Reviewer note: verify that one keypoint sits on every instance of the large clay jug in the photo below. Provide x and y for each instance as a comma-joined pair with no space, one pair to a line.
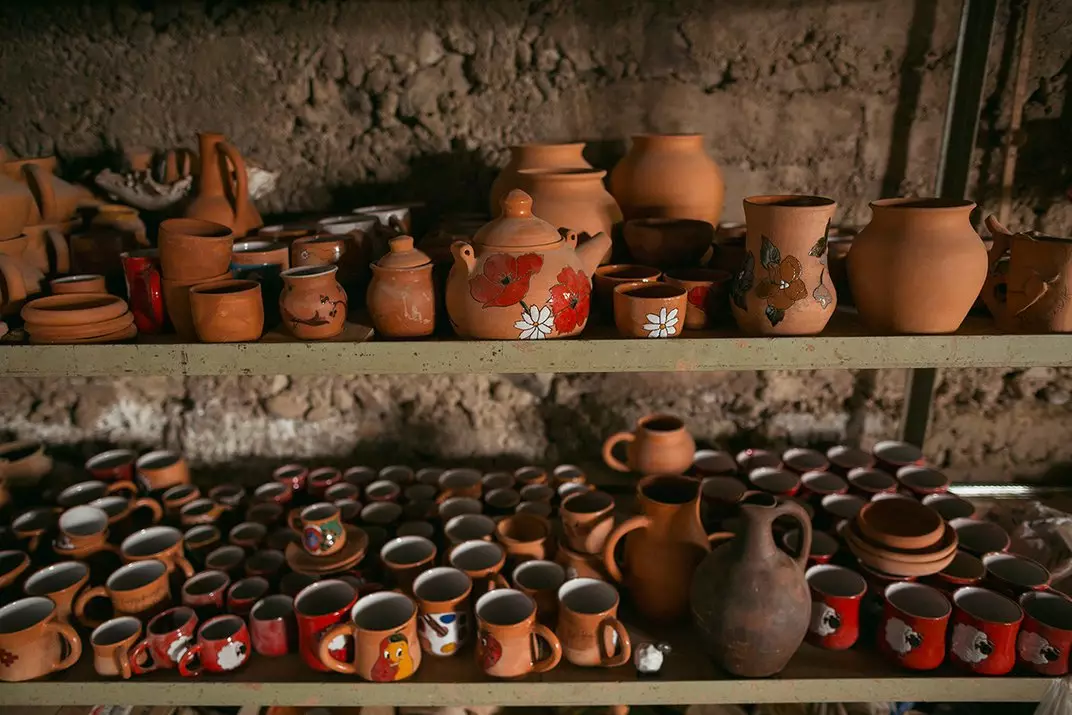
660,444
223,187
663,546
918,266
534,156
668,176
784,285
1029,280
574,201
750,600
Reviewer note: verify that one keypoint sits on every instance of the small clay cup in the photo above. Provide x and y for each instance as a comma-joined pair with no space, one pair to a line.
482,561
114,465
650,310
322,529
588,624
524,537
83,283
33,640
540,580
194,250
177,303
260,253
587,520
227,311
406,558
383,629
609,277
443,597
60,583
469,527
708,291
112,642
161,469
506,627
460,483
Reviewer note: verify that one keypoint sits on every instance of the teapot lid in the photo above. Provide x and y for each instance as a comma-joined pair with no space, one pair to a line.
402,254
516,227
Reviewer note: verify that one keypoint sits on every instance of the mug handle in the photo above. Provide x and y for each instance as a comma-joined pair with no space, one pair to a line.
137,653
122,485
324,653
294,519
546,634
83,600
185,566
791,508
185,669
608,450
630,524
59,246
74,644
607,659
43,191
716,538
14,285
152,505
122,661
497,580
1002,244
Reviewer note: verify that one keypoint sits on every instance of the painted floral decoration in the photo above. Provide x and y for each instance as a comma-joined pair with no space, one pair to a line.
743,282
782,287
570,299
505,279
698,297
663,324
536,323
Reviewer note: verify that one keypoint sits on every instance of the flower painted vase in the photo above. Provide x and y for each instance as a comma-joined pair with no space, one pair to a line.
313,304
784,286
520,280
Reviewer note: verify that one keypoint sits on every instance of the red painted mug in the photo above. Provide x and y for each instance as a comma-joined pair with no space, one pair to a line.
222,646
1046,633
141,269
317,608
836,593
167,637
272,626
985,625
913,626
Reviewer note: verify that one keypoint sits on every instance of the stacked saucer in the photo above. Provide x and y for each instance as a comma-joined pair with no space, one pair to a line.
328,546
79,318
901,537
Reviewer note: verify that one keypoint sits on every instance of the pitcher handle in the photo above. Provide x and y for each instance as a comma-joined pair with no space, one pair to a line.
608,450
240,188
14,285
1002,244
185,566
547,635
607,659
83,600
324,652
58,241
74,644
630,524
44,192
791,508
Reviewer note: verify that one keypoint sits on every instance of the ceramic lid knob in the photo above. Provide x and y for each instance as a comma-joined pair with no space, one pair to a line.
517,204
402,254
401,244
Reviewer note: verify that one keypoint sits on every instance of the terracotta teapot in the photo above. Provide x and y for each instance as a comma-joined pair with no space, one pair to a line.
1028,292
55,200
520,280
223,187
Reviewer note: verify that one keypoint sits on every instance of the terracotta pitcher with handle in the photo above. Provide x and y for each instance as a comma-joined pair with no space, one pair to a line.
663,546
750,600
1028,281
223,187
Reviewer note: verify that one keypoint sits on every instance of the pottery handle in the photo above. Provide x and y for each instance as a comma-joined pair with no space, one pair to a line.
122,661
324,651
123,485
240,187
58,241
547,635
140,653
630,524
14,286
294,519
44,192
186,669
608,450
791,508
607,659
152,505
33,544
83,600
1034,288
497,580
74,644
716,538
185,566
1002,243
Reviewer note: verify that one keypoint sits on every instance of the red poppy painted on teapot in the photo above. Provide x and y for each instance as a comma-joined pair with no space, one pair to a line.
520,279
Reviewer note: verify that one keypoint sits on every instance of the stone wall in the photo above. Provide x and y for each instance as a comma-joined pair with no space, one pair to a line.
361,101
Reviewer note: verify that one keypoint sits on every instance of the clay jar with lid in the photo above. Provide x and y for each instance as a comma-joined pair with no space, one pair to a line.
534,156
668,176
784,286
918,266
227,311
313,304
574,201
520,279
401,295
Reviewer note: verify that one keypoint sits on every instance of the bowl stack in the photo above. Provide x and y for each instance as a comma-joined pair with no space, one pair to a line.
901,537
79,318
192,252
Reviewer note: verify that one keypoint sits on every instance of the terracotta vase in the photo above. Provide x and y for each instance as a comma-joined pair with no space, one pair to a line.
227,311
401,297
520,279
313,304
55,200
534,156
918,266
223,188
574,201
668,176
784,287
660,444
1028,292
750,600
663,547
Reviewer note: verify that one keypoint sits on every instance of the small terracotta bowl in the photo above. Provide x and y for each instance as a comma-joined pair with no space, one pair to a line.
669,242
227,311
708,294
192,250
177,303
261,253
655,310
85,283
609,277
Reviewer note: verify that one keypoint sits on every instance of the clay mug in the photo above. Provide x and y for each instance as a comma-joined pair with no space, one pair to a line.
541,509
164,543
82,283
59,583
13,566
269,514
206,593
161,469
660,444
33,527
540,580
82,528
720,496
272,626
346,491
581,565
201,511
227,558
607,278
529,475
244,593
133,589
400,474
1046,633
167,637
1013,575
361,477
382,490
467,527
120,510
83,493
460,483
867,482
650,310
456,506
318,608
525,537
200,541
494,480
836,594
33,641
273,493
293,475
537,493
482,561
320,479
587,520
222,646
227,311
443,597
112,642
406,558
114,465
913,627
843,459
502,501
890,455
588,624
922,481
985,625
248,534
383,627
321,529
949,506
175,498
712,463
749,459
145,293
964,570
230,495
506,636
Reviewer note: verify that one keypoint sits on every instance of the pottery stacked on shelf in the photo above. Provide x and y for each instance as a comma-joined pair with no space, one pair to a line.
77,318
901,537
192,252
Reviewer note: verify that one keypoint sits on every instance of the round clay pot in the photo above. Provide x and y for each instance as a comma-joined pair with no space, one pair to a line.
193,250
655,310
708,289
84,283
260,253
313,304
784,288
918,266
572,200
317,250
177,303
401,297
609,277
534,156
668,176
73,309
227,311
669,242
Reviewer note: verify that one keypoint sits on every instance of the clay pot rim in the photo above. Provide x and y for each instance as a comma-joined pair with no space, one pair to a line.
230,288
255,245
791,201
194,228
677,479
309,271
542,145
664,291
73,309
609,272
38,602
564,174
926,203
76,278
681,137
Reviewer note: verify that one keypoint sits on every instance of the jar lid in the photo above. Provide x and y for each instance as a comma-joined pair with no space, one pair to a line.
516,227
402,254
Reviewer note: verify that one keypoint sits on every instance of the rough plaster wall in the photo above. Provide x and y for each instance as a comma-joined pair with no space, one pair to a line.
361,101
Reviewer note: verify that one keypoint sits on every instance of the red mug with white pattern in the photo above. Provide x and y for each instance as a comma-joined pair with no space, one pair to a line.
913,626
1046,633
318,607
985,625
222,646
836,593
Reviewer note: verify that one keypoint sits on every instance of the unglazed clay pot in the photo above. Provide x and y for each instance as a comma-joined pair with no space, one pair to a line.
16,202
650,310
660,444
176,298
228,311
222,166
313,304
55,199
534,156
750,600
194,250
918,266
1028,293
401,297
670,242
519,279
574,201
784,287
668,176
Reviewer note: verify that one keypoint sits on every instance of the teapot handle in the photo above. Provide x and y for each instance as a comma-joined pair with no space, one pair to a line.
631,524
791,508
1002,245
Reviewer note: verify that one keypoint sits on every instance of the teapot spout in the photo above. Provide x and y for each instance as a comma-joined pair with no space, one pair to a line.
591,252
464,257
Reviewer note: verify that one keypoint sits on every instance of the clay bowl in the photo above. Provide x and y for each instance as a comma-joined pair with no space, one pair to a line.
669,242
871,482
980,537
61,333
843,459
860,544
900,524
261,253
950,506
609,277
922,481
73,309
192,250
650,310
903,569
84,283
228,311
801,460
321,249
177,303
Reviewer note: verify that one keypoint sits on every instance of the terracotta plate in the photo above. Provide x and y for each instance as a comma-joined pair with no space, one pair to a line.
901,568
861,544
78,332
900,524
73,309
131,331
352,551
